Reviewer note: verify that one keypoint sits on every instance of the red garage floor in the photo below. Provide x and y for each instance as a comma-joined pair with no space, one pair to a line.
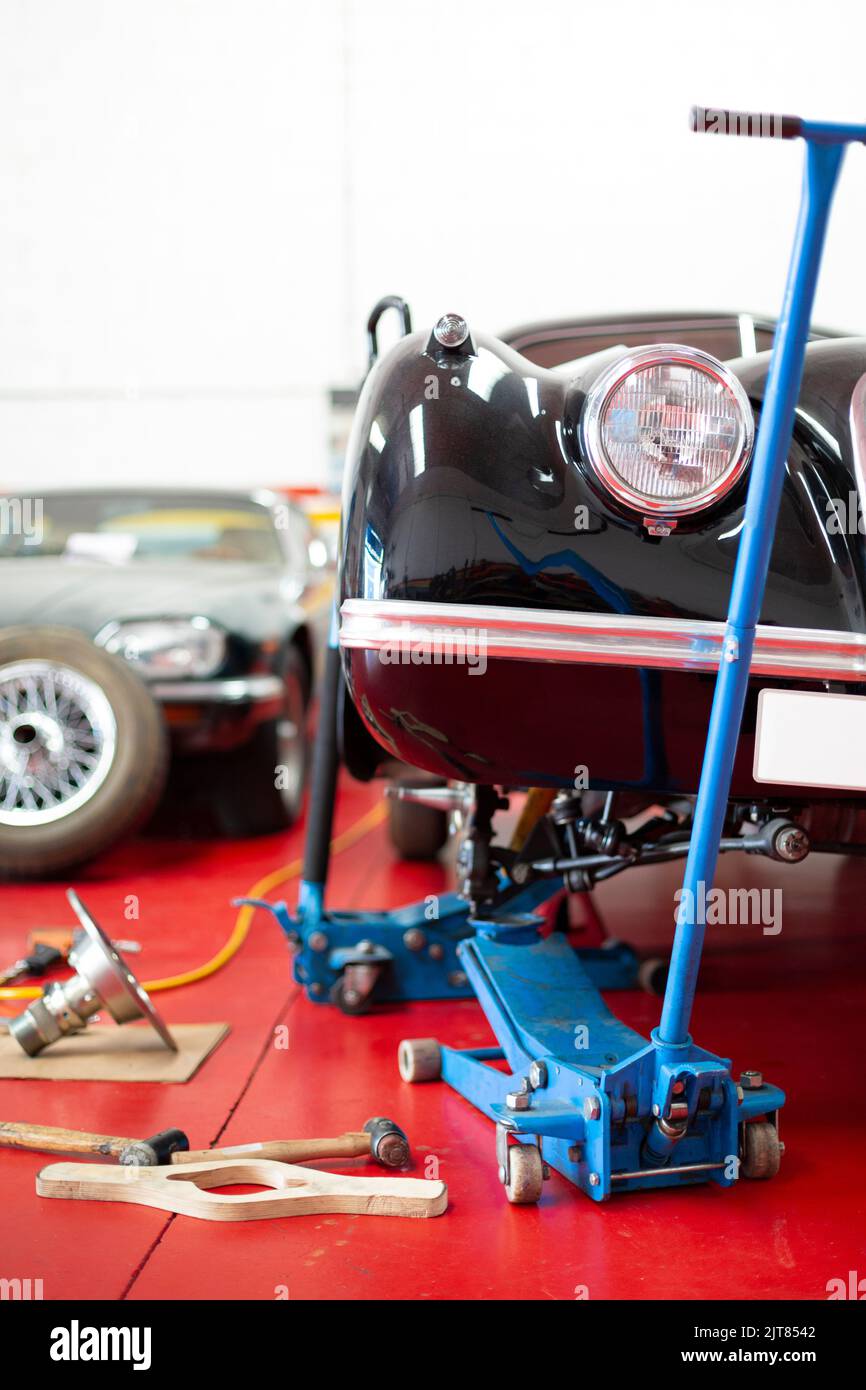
790,1004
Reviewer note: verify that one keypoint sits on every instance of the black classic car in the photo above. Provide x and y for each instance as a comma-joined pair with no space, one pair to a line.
539,537
134,621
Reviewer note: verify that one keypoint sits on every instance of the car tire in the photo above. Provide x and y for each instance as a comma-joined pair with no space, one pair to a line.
417,832
96,737
246,798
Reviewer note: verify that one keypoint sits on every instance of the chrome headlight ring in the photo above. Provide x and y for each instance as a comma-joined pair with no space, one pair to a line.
677,427
167,648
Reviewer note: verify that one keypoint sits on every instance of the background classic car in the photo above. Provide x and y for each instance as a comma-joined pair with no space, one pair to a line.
209,607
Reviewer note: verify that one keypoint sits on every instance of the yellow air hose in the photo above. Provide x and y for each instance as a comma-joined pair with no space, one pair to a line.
243,921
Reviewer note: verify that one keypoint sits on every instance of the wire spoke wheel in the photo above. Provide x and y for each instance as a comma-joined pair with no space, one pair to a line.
83,750
58,740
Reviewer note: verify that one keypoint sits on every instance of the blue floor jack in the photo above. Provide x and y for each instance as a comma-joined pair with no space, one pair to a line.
356,959
584,1094
610,1110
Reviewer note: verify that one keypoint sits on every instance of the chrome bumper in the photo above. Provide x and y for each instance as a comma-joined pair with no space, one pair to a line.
233,690
396,626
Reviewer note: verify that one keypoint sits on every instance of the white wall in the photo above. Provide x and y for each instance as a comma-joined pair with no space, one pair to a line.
200,199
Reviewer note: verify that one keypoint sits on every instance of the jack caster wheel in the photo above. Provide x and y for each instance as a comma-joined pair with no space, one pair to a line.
348,1000
762,1152
527,1174
419,1059
652,975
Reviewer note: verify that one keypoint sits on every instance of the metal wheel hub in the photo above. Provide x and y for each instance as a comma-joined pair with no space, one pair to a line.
58,739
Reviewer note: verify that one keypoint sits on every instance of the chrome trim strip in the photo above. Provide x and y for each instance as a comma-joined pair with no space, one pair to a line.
858,439
234,690
603,639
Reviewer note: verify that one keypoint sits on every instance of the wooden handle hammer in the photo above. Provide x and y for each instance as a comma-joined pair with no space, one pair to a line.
139,1153
380,1139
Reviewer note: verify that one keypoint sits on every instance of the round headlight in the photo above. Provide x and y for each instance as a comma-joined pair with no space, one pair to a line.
167,648
667,429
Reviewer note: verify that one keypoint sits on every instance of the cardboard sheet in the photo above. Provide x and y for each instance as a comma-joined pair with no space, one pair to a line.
106,1052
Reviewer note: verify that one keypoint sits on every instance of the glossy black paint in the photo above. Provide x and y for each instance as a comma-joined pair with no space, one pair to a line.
464,483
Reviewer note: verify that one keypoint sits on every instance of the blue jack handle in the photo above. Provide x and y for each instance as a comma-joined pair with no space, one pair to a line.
825,146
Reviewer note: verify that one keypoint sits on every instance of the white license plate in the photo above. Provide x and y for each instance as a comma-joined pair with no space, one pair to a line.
811,739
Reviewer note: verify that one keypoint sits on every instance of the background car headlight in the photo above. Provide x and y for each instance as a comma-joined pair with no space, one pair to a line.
167,649
667,429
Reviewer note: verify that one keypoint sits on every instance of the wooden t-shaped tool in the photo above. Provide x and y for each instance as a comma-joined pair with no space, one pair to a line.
293,1191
